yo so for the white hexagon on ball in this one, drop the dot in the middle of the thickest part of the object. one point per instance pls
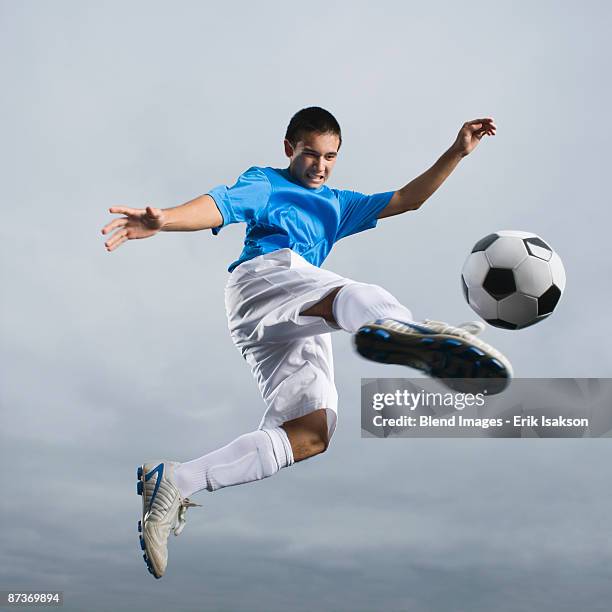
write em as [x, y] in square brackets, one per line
[558, 271]
[515, 233]
[533, 276]
[482, 302]
[475, 269]
[506, 252]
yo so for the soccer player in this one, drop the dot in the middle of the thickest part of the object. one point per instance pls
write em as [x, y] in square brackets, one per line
[281, 307]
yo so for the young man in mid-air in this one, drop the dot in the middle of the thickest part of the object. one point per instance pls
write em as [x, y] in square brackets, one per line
[281, 307]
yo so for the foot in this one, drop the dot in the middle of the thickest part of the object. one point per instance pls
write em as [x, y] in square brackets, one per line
[438, 349]
[163, 511]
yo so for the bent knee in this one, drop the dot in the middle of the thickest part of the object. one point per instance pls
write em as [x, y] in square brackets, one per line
[318, 444]
[308, 444]
[308, 435]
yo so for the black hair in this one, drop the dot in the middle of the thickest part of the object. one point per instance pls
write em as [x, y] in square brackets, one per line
[312, 119]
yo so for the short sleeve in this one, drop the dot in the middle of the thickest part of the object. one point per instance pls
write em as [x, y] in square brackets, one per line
[359, 212]
[244, 199]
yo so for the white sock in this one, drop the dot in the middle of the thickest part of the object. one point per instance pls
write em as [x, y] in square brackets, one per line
[358, 303]
[250, 457]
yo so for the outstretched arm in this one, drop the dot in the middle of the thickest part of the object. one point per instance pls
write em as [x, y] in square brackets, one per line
[415, 193]
[198, 214]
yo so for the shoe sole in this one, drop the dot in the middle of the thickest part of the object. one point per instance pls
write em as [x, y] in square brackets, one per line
[461, 365]
[140, 475]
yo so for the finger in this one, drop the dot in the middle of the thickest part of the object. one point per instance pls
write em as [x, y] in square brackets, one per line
[153, 212]
[118, 235]
[114, 225]
[483, 129]
[483, 120]
[123, 210]
[117, 244]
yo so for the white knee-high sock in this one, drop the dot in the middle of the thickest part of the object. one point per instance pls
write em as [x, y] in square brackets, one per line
[252, 456]
[358, 303]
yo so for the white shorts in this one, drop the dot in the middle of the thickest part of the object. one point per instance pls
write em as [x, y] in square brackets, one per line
[290, 354]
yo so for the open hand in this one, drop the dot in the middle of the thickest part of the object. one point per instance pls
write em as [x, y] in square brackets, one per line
[137, 223]
[470, 134]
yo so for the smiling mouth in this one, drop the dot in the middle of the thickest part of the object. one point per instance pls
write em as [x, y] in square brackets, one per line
[315, 177]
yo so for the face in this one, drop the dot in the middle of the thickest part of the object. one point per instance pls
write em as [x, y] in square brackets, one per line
[313, 158]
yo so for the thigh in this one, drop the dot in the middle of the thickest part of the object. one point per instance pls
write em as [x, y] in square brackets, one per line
[295, 379]
[267, 301]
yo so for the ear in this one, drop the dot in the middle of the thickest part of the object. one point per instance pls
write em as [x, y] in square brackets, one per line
[288, 148]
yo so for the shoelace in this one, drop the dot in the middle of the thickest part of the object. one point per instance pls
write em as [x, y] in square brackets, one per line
[180, 523]
[472, 327]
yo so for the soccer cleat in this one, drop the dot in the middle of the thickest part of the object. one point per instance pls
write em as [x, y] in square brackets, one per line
[163, 511]
[453, 354]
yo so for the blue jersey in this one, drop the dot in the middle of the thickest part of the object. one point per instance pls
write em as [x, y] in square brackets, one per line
[281, 213]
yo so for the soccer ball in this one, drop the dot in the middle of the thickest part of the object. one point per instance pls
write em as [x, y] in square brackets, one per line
[512, 279]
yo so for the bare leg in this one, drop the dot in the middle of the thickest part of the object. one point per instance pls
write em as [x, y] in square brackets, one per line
[324, 307]
[308, 435]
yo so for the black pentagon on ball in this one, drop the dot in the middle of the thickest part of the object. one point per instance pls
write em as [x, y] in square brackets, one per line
[548, 300]
[485, 242]
[538, 248]
[502, 324]
[465, 289]
[499, 283]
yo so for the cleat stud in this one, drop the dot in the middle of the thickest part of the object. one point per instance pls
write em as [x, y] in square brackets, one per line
[365, 330]
[142, 543]
[139, 487]
[427, 340]
[139, 526]
[449, 342]
[139, 473]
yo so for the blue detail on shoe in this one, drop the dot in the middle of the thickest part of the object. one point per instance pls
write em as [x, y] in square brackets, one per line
[497, 364]
[142, 544]
[139, 487]
[139, 526]
[427, 340]
[475, 351]
[159, 470]
[449, 342]
[382, 334]
[149, 566]
[139, 473]
[365, 330]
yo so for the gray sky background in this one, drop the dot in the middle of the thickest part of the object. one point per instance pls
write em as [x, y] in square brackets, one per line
[110, 359]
